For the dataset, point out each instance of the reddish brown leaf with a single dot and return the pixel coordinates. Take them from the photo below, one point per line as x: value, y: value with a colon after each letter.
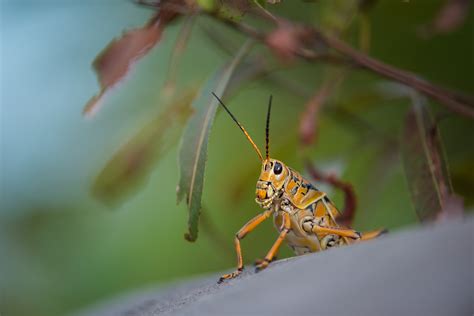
x: 286, y: 40
x: 309, y: 119
x: 452, y: 15
x: 426, y: 167
x: 116, y: 60
x: 284, y: 43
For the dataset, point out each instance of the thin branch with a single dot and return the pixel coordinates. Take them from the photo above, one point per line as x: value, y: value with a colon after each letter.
x: 259, y: 68
x: 456, y: 102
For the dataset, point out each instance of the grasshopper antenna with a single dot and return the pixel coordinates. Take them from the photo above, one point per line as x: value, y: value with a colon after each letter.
x: 267, y: 128
x: 240, y: 126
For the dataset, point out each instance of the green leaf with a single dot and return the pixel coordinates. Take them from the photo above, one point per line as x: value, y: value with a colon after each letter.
x: 130, y: 166
x: 193, y: 151
x: 425, y: 164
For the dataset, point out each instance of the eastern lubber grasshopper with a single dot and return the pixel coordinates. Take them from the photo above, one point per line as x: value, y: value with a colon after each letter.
x: 304, y: 216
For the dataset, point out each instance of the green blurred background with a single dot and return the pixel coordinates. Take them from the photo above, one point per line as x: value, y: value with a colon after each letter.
x: 61, y: 249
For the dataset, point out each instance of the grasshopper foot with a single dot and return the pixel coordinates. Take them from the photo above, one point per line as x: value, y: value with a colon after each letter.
x: 230, y: 275
x: 262, y: 264
x: 259, y: 261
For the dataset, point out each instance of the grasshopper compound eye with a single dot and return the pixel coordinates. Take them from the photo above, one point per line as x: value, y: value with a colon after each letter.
x: 277, y: 169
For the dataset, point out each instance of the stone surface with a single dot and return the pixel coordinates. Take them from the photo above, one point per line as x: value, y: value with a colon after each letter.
x: 422, y: 271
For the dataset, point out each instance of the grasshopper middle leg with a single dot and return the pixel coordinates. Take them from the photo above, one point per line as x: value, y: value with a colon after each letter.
x: 286, y: 226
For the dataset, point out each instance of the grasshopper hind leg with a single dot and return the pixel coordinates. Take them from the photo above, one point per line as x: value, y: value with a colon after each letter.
x: 373, y: 234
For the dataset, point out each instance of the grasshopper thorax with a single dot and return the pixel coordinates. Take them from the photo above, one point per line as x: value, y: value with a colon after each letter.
x: 271, y: 181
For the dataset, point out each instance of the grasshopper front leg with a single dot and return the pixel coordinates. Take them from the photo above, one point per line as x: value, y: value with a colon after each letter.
x: 247, y: 228
x: 272, y: 252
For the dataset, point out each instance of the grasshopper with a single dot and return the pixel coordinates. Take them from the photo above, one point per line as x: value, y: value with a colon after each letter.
x: 303, y: 215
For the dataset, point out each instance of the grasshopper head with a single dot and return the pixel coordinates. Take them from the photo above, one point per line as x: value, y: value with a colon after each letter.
x: 271, y: 180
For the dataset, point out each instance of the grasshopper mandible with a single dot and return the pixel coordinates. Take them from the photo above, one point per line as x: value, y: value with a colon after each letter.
x: 304, y: 216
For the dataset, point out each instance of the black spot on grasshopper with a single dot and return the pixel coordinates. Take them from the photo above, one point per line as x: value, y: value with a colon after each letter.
x: 295, y: 189
x: 310, y: 186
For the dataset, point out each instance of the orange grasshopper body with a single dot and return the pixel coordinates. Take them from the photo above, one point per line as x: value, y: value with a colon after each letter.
x: 304, y: 216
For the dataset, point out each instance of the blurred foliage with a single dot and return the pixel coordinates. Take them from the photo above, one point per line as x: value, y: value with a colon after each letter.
x: 125, y: 171
x: 62, y: 249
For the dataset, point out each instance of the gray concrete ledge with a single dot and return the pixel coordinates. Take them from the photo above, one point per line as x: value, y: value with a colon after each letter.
x: 422, y: 271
